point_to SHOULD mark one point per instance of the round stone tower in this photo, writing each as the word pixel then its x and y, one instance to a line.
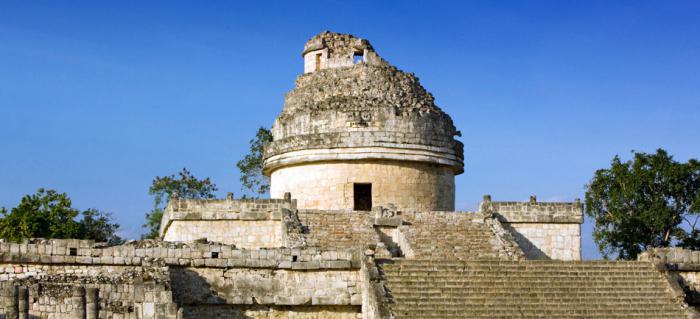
pixel 357 132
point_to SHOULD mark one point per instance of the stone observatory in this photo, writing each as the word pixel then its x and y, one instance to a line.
pixel 357 132
pixel 361 225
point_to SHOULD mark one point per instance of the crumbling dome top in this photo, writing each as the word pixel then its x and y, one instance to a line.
pixel 347 107
pixel 335 50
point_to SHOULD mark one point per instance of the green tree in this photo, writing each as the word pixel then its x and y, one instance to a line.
pixel 251 165
pixel 98 225
pixel 48 214
pixel 649 201
pixel 182 185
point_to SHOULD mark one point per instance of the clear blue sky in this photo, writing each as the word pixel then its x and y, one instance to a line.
pixel 97 98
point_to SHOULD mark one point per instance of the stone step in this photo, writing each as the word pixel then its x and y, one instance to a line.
pixel 539 315
pixel 524 276
pixel 410 263
pixel 543 293
pixel 420 288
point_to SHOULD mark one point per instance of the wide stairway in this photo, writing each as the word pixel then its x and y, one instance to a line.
pixel 527 289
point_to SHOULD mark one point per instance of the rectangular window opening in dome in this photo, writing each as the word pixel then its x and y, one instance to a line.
pixel 358 57
pixel 318 61
pixel 362 193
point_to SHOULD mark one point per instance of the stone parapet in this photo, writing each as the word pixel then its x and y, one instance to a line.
pixel 245 222
pixel 535 212
pixel 229 205
pixel 143 253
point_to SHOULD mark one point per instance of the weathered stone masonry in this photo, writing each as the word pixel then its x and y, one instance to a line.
pixel 246 223
pixel 543 230
pixel 156 279
pixel 362 225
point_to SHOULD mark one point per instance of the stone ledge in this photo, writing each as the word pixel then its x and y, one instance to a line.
pixel 195 255
pixel 369 152
pixel 224 209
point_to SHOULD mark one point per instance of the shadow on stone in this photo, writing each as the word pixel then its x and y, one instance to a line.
pixel 531 251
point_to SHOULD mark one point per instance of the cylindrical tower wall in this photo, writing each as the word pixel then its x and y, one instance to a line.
pixel 356 132
pixel 331 185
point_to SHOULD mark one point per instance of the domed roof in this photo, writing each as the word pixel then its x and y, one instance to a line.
pixel 365 110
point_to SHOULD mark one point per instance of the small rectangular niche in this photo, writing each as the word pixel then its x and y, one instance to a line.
pixel 362 193
pixel 73 251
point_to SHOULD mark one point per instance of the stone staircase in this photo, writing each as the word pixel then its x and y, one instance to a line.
pixel 462 236
pixel 419 288
pixel 337 229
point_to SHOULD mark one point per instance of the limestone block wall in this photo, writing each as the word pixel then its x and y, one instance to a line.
pixel 543 230
pixel 242 233
pixel 274 312
pixel 252 224
pixel 548 241
pixel 329 185
pixel 266 286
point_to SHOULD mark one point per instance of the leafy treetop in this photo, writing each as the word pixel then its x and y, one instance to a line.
pixel 48 214
pixel 182 185
pixel 251 165
pixel 649 201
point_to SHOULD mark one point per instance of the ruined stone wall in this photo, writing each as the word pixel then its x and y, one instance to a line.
pixel 144 278
pixel 543 230
pixel 64 291
pixel 364 106
pixel 337 50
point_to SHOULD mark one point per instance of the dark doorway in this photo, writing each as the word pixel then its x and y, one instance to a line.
pixel 363 196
